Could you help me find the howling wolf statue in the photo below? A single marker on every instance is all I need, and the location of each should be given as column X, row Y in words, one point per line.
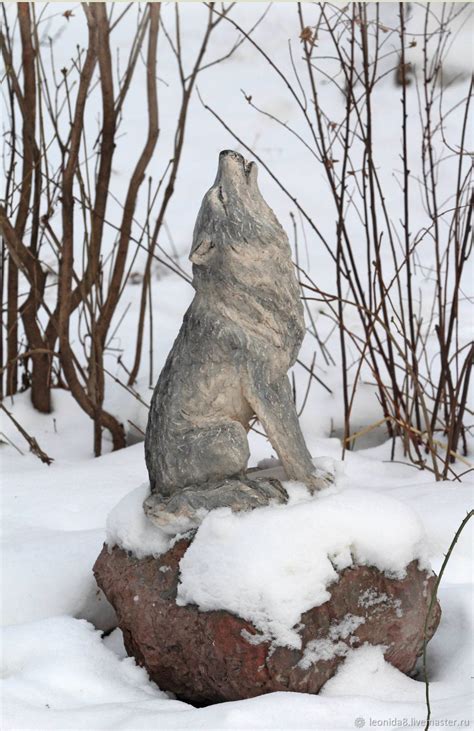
column 229, row 363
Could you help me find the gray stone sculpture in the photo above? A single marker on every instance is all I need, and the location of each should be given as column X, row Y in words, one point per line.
column 239, row 337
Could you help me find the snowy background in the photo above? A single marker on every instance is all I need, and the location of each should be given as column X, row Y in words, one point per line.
column 59, row 670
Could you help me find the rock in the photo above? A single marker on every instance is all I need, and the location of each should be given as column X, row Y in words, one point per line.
column 209, row 657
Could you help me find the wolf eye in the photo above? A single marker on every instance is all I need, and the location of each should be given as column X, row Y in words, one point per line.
column 200, row 253
column 223, row 198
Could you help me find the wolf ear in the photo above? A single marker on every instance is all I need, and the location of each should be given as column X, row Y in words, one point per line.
column 201, row 251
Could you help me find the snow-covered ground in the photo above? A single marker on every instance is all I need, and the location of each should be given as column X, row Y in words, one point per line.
column 59, row 670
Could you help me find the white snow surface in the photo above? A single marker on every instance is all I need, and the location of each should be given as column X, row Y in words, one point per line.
column 271, row 565
column 128, row 527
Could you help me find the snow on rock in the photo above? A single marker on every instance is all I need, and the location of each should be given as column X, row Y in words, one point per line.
column 271, row 565
column 129, row 528
column 327, row 648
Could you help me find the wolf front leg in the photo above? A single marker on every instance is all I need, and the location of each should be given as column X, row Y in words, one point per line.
column 274, row 407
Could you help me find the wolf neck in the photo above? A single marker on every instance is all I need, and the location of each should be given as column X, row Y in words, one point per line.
column 278, row 324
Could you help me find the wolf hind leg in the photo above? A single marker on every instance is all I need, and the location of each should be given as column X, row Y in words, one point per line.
column 203, row 453
column 186, row 508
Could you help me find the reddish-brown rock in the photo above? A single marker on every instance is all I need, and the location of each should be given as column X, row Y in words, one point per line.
column 206, row 657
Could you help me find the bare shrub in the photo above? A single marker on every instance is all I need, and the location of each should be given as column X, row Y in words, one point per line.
column 68, row 242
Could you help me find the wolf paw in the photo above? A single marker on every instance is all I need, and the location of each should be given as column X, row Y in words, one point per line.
column 320, row 480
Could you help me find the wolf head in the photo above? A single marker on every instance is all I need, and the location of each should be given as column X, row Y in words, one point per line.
column 234, row 218
column 242, row 259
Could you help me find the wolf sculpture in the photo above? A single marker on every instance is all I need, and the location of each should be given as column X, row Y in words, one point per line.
column 229, row 363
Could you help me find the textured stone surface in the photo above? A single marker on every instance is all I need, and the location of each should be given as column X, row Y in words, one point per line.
column 208, row 657
column 239, row 337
